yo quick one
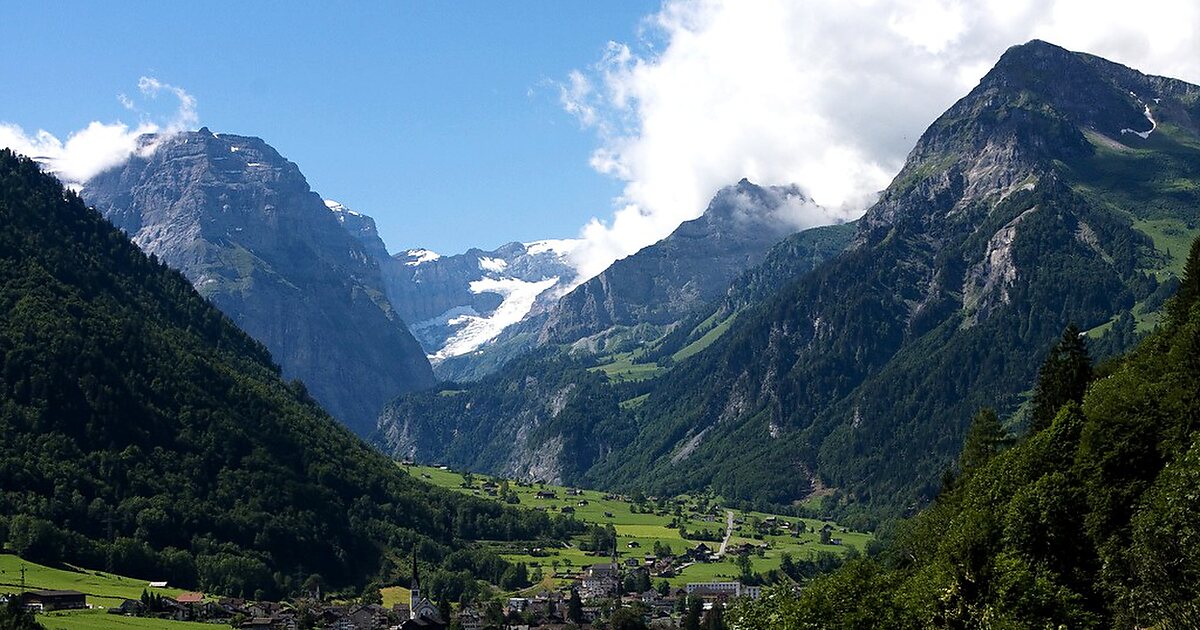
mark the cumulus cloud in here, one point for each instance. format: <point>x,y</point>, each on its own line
<point>828,95</point>
<point>100,146</point>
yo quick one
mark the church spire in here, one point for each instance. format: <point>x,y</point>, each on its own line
<point>416,576</point>
<point>414,593</point>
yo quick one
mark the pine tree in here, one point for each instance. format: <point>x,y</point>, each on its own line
<point>575,607</point>
<point>1189,287</point>
<point>985,438</point>
<point>695,608</point>
<point>1063,378</point>
<point>13,616</point>
<point>715,619</point>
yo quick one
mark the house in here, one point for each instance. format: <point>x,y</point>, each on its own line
<point>600,580</point>
<point>369,616</point>
<point>47,600</point>
<point>471,620</point>
<point>633,544</point>
<point>583,503</point>
<point>716,591</point>
<point>158,584</point>
<point>190,598</point>
<point>546,494</point>
<point>128,607</point>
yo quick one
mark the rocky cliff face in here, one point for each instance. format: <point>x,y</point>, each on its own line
<point>538,420</point>
<point>241,223</point>
<point>664,282</point>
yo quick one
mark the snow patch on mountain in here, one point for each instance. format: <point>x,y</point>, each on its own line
<point>556,246</point>
<point>339,210</point>
<point>495,265</point>
<point>418,256</point>
<point>474,330</point>
<point>1143,134</point>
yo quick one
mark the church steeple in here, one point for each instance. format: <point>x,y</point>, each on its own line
<point>414,595</point>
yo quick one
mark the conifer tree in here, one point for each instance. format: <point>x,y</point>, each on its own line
<point>985,438</point>
<point>1189,287</point>
<point>1063,378</point>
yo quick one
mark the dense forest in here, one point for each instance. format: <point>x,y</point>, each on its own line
<point>144,434</point>
<point>1090,520</point>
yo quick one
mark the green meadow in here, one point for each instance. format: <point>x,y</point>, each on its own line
<point>103,590</point>
<point>639,528</point>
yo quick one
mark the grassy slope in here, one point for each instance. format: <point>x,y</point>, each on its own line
<point>645,529</point>
<point>103,590</point>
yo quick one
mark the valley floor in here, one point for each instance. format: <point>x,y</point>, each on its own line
<point>764,537</point>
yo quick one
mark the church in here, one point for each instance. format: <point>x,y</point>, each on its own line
<point>423,615</point>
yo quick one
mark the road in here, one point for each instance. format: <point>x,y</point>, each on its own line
<point>728,532</point>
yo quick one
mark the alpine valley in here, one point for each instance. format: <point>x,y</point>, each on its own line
<point>973,405</point>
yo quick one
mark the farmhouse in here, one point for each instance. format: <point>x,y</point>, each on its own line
<point>45,601</point>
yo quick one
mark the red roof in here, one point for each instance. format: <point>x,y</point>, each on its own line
<point>189,598</point>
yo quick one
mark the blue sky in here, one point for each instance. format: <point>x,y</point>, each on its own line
<point>460,124</point>
<point>440,119</point>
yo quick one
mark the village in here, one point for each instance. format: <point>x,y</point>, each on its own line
<point>603,588</point>
<point>656,560</point>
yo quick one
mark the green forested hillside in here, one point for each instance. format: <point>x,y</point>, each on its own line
<point>1090,522</point>
<point>143,433</point>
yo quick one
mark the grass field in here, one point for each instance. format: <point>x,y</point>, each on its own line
<point>705,340</point>
<point>394,595</point>
<point>638,532</point>
<point>622,368</point>
<point>101,620</point>
<point>102,589</point>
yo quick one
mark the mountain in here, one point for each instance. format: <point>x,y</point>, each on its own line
<point>144,433</point>
<point>241,223</point>
<point>1057,191</point>
<point>660,284</point>
<point>1063,188</point>
<point>1085,523</point>
<point>653,291</point>
<point>551,415</point>
<point>457,304</point>
<point>461,302</point>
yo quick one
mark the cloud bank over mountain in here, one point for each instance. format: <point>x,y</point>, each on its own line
<point>100,146</point>
<point>830,96</point>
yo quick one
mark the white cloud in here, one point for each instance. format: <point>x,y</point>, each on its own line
<point>101,146</point>
<point>828,95</point>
